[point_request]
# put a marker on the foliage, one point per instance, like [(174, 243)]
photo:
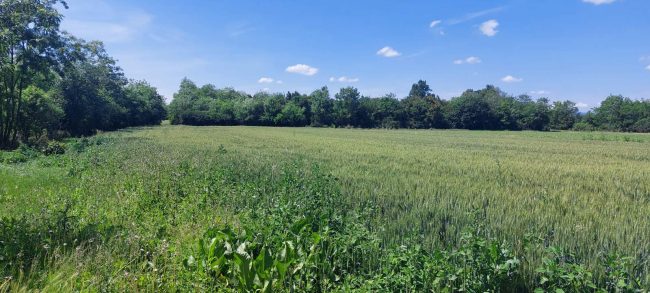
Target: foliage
[(54, 84), (478, 265), (618, 113), (561, 273), (563, 115), (484, 109), (29, 40)]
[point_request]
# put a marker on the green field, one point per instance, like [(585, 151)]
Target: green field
[(134, 203)]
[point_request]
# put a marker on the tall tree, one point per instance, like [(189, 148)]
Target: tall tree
[(346, 107), (92, 90), (423, 109), (145, 105), (420, 89), (563, 115), (29, 43), (384, 112), (321, 107), (472, 111)]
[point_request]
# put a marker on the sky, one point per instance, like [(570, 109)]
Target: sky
[(581, 50)]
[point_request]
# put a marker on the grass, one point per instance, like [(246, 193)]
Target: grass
[(131, 205)]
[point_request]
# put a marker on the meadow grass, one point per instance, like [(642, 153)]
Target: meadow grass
[(589, 192), (140, 200)]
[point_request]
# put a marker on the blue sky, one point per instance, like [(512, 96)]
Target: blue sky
[(582, 50)]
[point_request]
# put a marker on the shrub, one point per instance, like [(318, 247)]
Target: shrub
[(54, 148), (560, 272)]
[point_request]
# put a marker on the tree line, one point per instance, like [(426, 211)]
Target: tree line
[(484, 109), (54, 85)]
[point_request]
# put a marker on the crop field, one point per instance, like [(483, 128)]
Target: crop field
[(125, 210)]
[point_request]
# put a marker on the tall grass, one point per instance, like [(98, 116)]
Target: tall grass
[(136, 203)]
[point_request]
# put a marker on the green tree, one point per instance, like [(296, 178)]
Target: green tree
[(92, 90), (563, 115), (420, 89), (618, 113), (146, 106), (29, 45), (291, 115), (535, 114), (346, 107), (321, 107), (181, 106), (41, 113), (384, 112), (472, 111), (423, 109), (273, 105)]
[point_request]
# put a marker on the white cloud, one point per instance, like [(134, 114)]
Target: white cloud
[(265, 80), (511, 79), (388, 52), (473, 60), (468, 60), (268, 80), (539, 93), (303, 69), (599, 2), (344, 79), (647, 67), (582, 106), (435, 23), (489, 28)]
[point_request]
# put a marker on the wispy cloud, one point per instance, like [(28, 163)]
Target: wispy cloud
[(435, 23), (539, 93), (388, 52), (100, 20), (473, 15), (468, 60), (303, 69), (110, 31), (511, 79), (599, 2), (647, 67), (489, 28), (583, 106), (168, 36), (240, 29), (344, 79)]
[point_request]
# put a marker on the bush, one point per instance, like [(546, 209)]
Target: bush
[(54, 148), (23, 154), (560, 272), (583, 126), (12, 157)]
